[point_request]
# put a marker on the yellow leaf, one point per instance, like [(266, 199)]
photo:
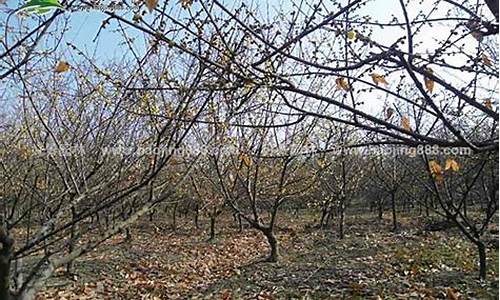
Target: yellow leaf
[(429, 83), (488, 104), (405, 123), (388, 113), (486, 60), (436, 171), (342, 84), (377, 78), (155, 110), (151, 5), (320, 163), (246, 159), (62, 67), (186, 3), (451, 164), (351, 35)]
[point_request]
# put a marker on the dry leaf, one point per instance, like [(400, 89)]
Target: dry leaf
[(351, 35), (186, 3), (429, 83), (436, 171), (342, 84), (488, 104), (151, 4), (246, 159), (486, 60), (226, 295), (377, 78), (451, 294), (451, 164), (320, 163), (61, 67), (405, 123)]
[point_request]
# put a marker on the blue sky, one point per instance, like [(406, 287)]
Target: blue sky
[(84, 25)]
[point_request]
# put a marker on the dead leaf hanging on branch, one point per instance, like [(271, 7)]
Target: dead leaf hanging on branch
[(451, 164), (429, 83), (342, 84), (436, 171), (405, 123), (377, 78), (62, 67), (151, 5), (186, 3)]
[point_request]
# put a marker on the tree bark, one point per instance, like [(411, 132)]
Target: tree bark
[(212, 228), (72, 241), (342, 219), (394, 217), (5, 260), (322, 222), (273, 245), (481, 249), (174, 216), (426, 199), (240, 224), (196, 216), (493, 6), (380, 210)]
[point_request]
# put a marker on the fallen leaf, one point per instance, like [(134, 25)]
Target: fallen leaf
[(452, 295), (226, 295)]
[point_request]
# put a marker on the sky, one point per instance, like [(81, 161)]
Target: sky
[(84, 25)]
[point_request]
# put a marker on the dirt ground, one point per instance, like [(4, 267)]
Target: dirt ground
[(370, 263)]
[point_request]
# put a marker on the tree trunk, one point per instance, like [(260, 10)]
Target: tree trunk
[(240, 224), (426, 199), (196, 216), (493, 6), (322, 222), (329, 216), (72, 241), (394, 218), (341, 218), (128, 236), (5, 260), (481, 249), (380, 210), (273, 245), (212, 228), (174, 217)]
